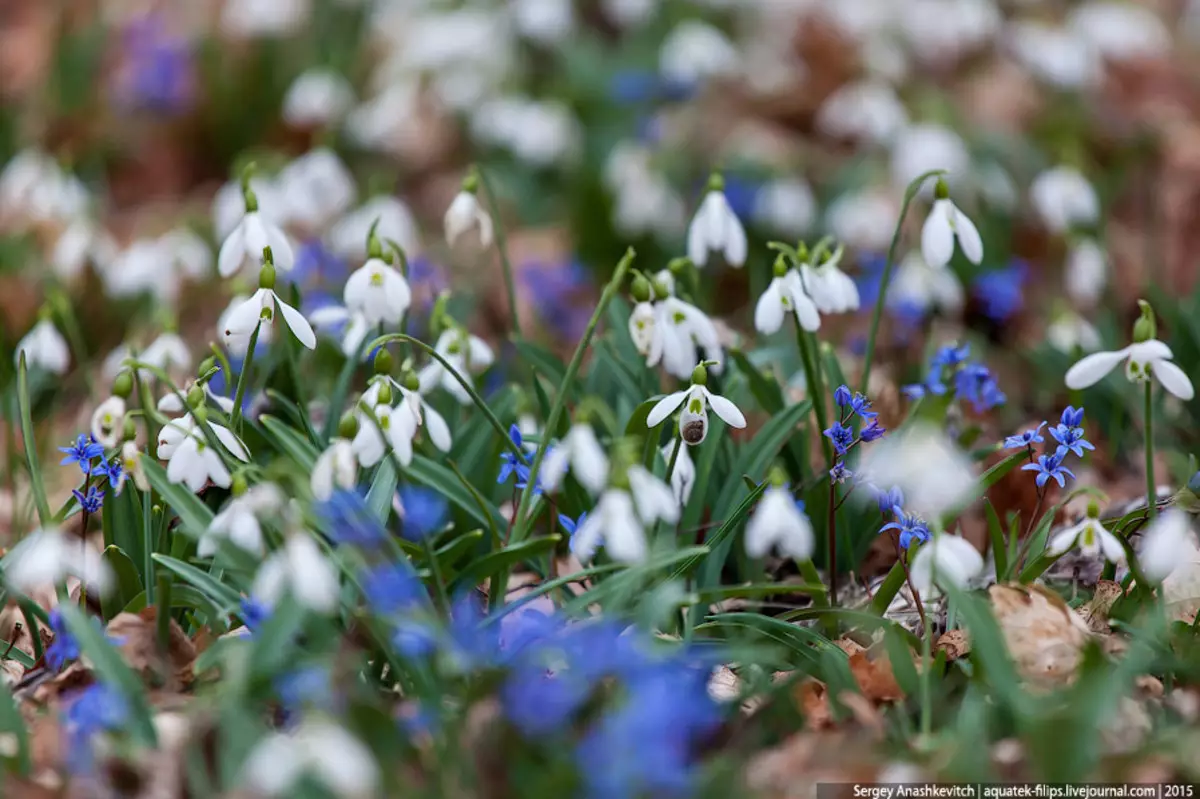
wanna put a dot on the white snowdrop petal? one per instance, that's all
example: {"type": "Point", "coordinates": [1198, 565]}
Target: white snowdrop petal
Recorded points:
{"type": "Point", "coordinates": [937, 237]}
{"type": "Point", "coordinates": [1091, 369]}
{"type": "Point", "coordinates": [968, 237]}
{"type": "Point", "coordinates": [725, 409]}
{"type": "Point", "coordinates": [769, 312]}
{"type": "Point", "coordinates": [435, 425]}
{"type": "Point", "coordinates": [298, 325]}
{"type": "Point", "coordinates": [665, 407]}
{"type": "Point", "coordinates": [1174, 379]}
{"type": "Point", "coordinates": [232, 252]}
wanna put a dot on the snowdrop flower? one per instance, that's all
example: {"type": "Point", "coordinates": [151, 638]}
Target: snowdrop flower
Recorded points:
{"type": "Point", "coordinates": [108, 422]}
{"type": "Point", "coordinates": [255, 18]}
{"type": "Point", "coordinates": [317, 188]}
{"type": "Point", "coordinates": [545, 21]}
{"type": "Point", "coordinates": [81, 240]}
{"type": "Point", "coordinates": [318, 97]}
{"type": "Point", "coordinates": [139, 269]}
{"type": "Point", "coordinates": [716, 227]}
{"type": "Point", "coordinates": [1166, 545]}
{"type": "Point", "coordinates": [785, 293]}
{"type": "Point", "coordinates": [467, 355]}
{"type": "Point", "coordinates": [779, 523]}
{"type": "Point", "coordinates": [1090, 536]}
{"type": "Point", "coordinates": [259, 312]}
{"type": "Point", "coordinates": [944, 224]}
{"type": "Point", "coordinates": [253, 234]}
{"type": "Point", "coordinates": [48, 557]}
{"type": "Point", "coordinates": [1143, 359]}
{"type": "Point", "coordinates": [652, 498]}
{"type": "Point", "coordinates": [582, 454]}
{"type": "Point", "coordinates": [931, 472]}
{"type": "Point", "coordinates": [176, 431]}
{"type": "Point", "coordinates": [919, 285]}
{"type": "Point", "coordinates": [1064, 199]}
{"type": "Point", "coordinates": [1087, 272]}
{"type": "Point", "coordinates": [44, 348]}
{"type": "Point", "coordinates": [391, 220]}
{"type": "Point", "coordinates": [695, 51]}
{"type": "Point", "coordinates": [786, 206]}
{"type": "Point", "coordinates": [187, 252]}
{"type": "Point", "coordinates": [831, 289]}
{"type": "Point", "coordinates": [947, 560]}
{"type": "Point", "coordinates": [867, 110]}
{"type": "Point", "coordinates": [424, 414]}
{"type": "Point", "coordinates": [642, 322]}
{"type": "Point", "coordinates": [540, 133]}
{"type": "Point", "coordinates": [168, 352]}
{"type": "Point", "coordinates": [131, 467]}
{"type": "Point", "coordinates": [679, 330]}
{"type": "Point", "coordinates": [301, 570]}
{"type": "Point", "coordinates": [693, 422]}
{"type": "Point", "coordinates": [171, 402]}
{"type": "Point", "coordinates": [618, 518]}
{"type": "Point", "coordinates": [336, 467]}
{"type": "Point", "coordinates": [377, 291]}
{"type": "Point", "coordinates": [1055, 55]}
{"type": "Point", "coordinates": [630, 13]}
{"type": "Point", "coordinates": [238, 341]}
{"type": "Point", "coordinates": [922, 148]}
{"type": "Point", "coordinates": [193, 462]}
{"type": "Point", "coordinates": [684, 476]}
{"type": "Point", "coordinates": [318, 748]}
{"type": "Point", "coordinates": [465, 213]}
{"type": "Point", "coordinates": [238, 522]}
{"type": "Point", "coordinates": [863, 219]}
{"type": "Point", "coordinates": [395, 429]}
{"type": "Point", "coordinates": [1120, 31]}
{"type": "Point", "coordinates": [352, 325]}
{"type": "Point", "coordinates": [229, 204]}
{"type": "Point", "coordinates": [1070, 330]}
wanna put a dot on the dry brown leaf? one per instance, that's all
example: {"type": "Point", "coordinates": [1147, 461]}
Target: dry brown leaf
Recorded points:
{"type": "Point", "coordinates": [1095, 612]}
{"type": "Point", "coordinates": [794, 768]}
{"type": "Point", "coordinates": [1043, 635]}
{"type": "Point", "coordinates": [139, 646]}
{"type": "Point", "coordinates": [864, 712]}
{"type": "Point", "coordinates": [875, 678]}
{"type": "Point", "coordinates": [955, 644]}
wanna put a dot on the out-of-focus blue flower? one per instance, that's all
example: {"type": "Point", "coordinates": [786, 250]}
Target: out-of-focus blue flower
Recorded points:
{"type": "Point", "coordinates": [392, 588]}
{"type": "Point", "coordinates": [890, 501]}
{"type": "Point", "coordinates": [424, 511]}
{"type": "Point", "coordinates": [304, 689]}
{"type": "Point", "coordinates": [254, 613]}
{"type": "Point", "coordinates": [418, 718]}
{"type": "Point", "coordinates": [220, 385]}
{"type": "Point", "coordinates": [511, 463]}
{"type": "Point", "coordinates": [841, 436]}
{"type": "Point", "coordinates": [64, 648]}
{"type": "Point", "coordinates": [91, 502]}
{"type": "Point", "coordinates": [315, 263]}
{"type": "Point", "coordinates": [1026, 439]}
{"type": "Point", "coordinates": [1000, 291]}
{"type": "Point", "coordinates": [741, 195]}
{"type": "Point", "coordinates": [950, 356]}
{"type": "Point", "coordinates": [910, 526]}
{"type": "Point", "coordinates": [472, 644]}
{"type": "Point", "coordinates": [642, 87]}
{"type": "Point", "coordinates": [415, 639]}
{"type": "Point", "coordinates": [872, 432]}
{"type": "Point", "coordinates": [975, 383]}
{"type": "Point", "coordinates": [350, 521]}
{"type": "Point", "coordinates": [158, 72]}
{"type": "Point", "coordinates": [571, 526]}
{"type": "Point", "coordinates": [560, 294]}
{"type": "Point", "coordinates": [972, 382]}
{"type": "Point", "coordinates": [113, 472]}
{"type": "Point", "coordinates": [96, 709]}
{"type": "Point", "coordinates": [83, 452]}
{"type": "Point", "coordinates": [539, 703]}
{"type": "Point", "coordinates": [1049, 467]}
{"type": "Point", "coordinates": [839, 473]}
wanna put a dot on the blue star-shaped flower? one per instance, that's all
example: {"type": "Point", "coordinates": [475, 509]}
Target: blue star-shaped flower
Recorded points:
{"type": "Point", "coordinates": [511, 463]}
{"type": "Point", "coordinates": [891, 501]}
{"type": "Point", "coordinates": [951, 356]}
{"type": "Point", "coordinates": [91, 501]}
{"type": "Point", "coordinates": [910, 526]}
{"type": "Point", "coordinates": [873, 431]}
{"type": "Point", "coordinates": [1049, 467]}
{"type": "Point", "coordinates": [839, 473]}
{"type": "Point", "coordinates": [571, 525]}
{"type": "Point", "coordinates": [83, 451]}
{"type": "Point", "coordinates": [1070, 439]}
{"type": "Point", "coordinates": [1026, 439]}
{"type": "Point", "coordinates": [841, 436]}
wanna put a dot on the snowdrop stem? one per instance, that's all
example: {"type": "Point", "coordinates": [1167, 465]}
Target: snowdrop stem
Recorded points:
{"type": "Point", "coordinates": [909, 194]}
{"type": "Point", "coordinates": [148, 545]}
{"type": "Point", "coordinates": [674, 459]}
{"type": "Point", "coordinates": [926, 676]}
{"type": "Point", "coordinates": [1151, 487]}
{"type": "Point", "coordinates": [243, 380]}
{"type": "Point", "coordinates": [831, 543]}
{"type": "Point", "coordinates": [812, 379]}
{"type": "Point", "coordinates": [31, 457]}
{"type": "Point", "coordinates": [439, 583]}
{"type": "Point", "coordinates": [501, 249]}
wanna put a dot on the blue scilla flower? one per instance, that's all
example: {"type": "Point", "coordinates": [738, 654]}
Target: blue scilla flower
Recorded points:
{"type": "Point", "coordinates": [91, 502]}
{"type": "Point", "coordinates": [890, 501]}
{"type": "Point", "coordinates": [392, 588]}
{"type": "Point", "coordinates": [930, 388]}
{"type": "Point", "coordinates": [842, 396]}
{"type": "Point", "coordinates": [254, 613]}
{"type": "Point", "coordinates": [560, 294]}
{"type": "Point", "coordinates": [424, 511]}
{"type": "Point", "coordinates": [415, 639]}
{"type": "Point", "coordinates": [1049, 467]}
{"type": "Point", "coordinates": [350, 521]}
{"type": "Point", "coordinates": [96, 709]}
{"type": "Point", "coordinates": [1072, 416]}
{"type": "Point", "coordinates": [315, 263]}
{"type": "Point", "coordinates": [840, 473]}
{"type": "Point", "coordinates": [975, 383]}
{"type": "Point", "coordinates": [571, 526]}
{"type": "Point", "coordinates": [114, 472]}
{"type": "Point", "coordinates": [64, 648]}
{"type": "Point", "coordinates": [538, 703]}
{"type": "Point", "coordinates": [83, 452]}
{"type": "Point", "coordinates": [910, 526]}
{"type": "Point", "coordinates": [872, 432]}
{"type": "Point", "coordinates": [1000, 291]}
{"type": "Point", "coordinates": [951, 356]}
{"type": "Point", "coordinates": [841, 436]}
{"type": "Point", "coordinates": [513, 463]}
{"type": "Point", "coordinates": [1069, 433]}
{"type": "Point", "coordinates": [304, 688]}
{"type": "Point", "coordinates": [159, 71]}
{"type": "Point", "coordinates": [855, 401]}
{"type": "Point", "coordinates": [1026, 439]}
{"type": "Point", "coordinates": [472, 644]}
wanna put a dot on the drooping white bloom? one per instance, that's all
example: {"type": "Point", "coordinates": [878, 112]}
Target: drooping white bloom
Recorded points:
{"type": "Point", "coordinates": [316, 98]}
{"type": "Point", "coordinates": [426, 416]}
{"type": "Point", "coordinates": [335, 468]}
{"type": "Point", "coordinates": [467, 355]}
{"type": "Point", "coordinates": [863, 219]}
{"type": "Point", "coordinates": [1070, 330]}
{"type": "Point", "coordinates": [831, 289]}
{"type": "Point", "coordinates": [715, 227]}
{"type": "Point", "coordinates": [695, 51]}
{"type": "Point", "coordinates": [187, 253]}
{"type": "Point", "coordinates": [351, 325]}
{"type": "Point", "coordinates": [944, 224]}
{"type": "Point", "coordinates": [785, 293]}
{"type": "Point", "coordinates": [615, 524]}
{"type": "Point", "coordinates": [47, 557]}
{"type": "Point", "coordinates": [464, 214]}
{"type": "Point", "coordinates": [131, 466]}
{"type": "Point", "coordinates": [641, 326]}
{"type": "Point", "coordinates": [922, 148]}
{"type": "Point", "coordinates": [1142, 360]}
{"type": "Point", "coordinates": [1064, 199]}
{"type": "Point", "coordinates": [581, 452]}
{"type": "Point", "coordinates": [868, 110]}
{"type": "Point", "coordinates": [379, 292]}
{"type": "Point", "coordinates": [239, 521]}
{"type": "Point", "coordinates": [946, 561]}
{"type": "Point", "coordinates": [395, 430]}
{"type": "Point", "coordinates": [318, 748]}
{"type": "Point", "coordinates": [246, 242]}
{"type": "Point", "coordinates": [229, 204]}
{"type": "Point", "coordinates": [1086, 273]}
{"type": "Point", "coordinates": [786, 206]}
{"type": "Point", "coordinates": [172, 402]}
{"type": "Point", "coordinates": [265, 18]}
{"type": "Point", "coordinates": [1120, 31]}
{"type": "Point", "coordinates": [259, 311]}
{"type": "Point", "coordinates": [545, 21]}
{"type": "Point", "coordinates": [176, 431]}
{"type": "Point", "coordinates": [138, 269]}
{"type": "Point", "coordinates": [944, 31]}
{"type": "Point", "coordinates": [684, 476]}
{"type": "Point", "coordinates": [1091, 538]}
{"type": "Point", "coordinates": [778, 523]}
{"type": "Point", "coordinates": [317, 188]}
{"type": "Point", "coordinates": [1167, 545]}
{"type": "Point", "coordinates": [933, 474]}
{"type": "Point", "coordinates": [168, 352]}
{"type": "Point", "coordinates": [693, 422]}
{"type": "Point", "coordinates": [919, 286]}
{"type": "Point", "coordinates": [539, 132]}
{"type": "Point", "coordinates": [238, 341]}
{"type": "Point", "coordinates": [679, 330]}
{"type": "Point", "coordinates": [80, 241]}
{"type": "Point", "coordinates": [653, 499]}
{"type": "Point", "coordinates": [348, 238]}
{"type": "Point", "coordinates": [108, 422]}
{"type": "Point", "coordinates": [193, 462]}
{"type": "Point", "coordinates": [301, 570]}
{"type": "Point", "coordinates": [44, 348]}
{"type": "Point", "coordinates": [1055, 55]}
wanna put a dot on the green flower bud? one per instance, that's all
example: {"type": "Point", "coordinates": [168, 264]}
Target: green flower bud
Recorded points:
{"type": "Point", "coordinates": [130, 431]}
{"type": "Point", "coordinates": [941, 191]}
{"type": "Point", "coordinates": [374, 245]}
{"type": "Point", "coordinates": [123, 385]}
{"type": "Point", "coordinates": [661, 288]}
{"type": "Point", "coordinates": [470, 183]}
{"type": "Point", "coordinates": [348, 426]}
{"type": "Point", "coordinates": [802, 252]}
{"type": "Point", "coordinates": [716, 182]}
{"type": "Point", "coordinates": [641, 289]}
{"type": "Point", "coordinates": [200, 414]}
{"type": "Point", "coordinates": [207, 365]}
{"type": "Point", "coordinates": [385, 393]}
{"type": "Point", "coordinates": [240, 486]}
{"type": "Point", "coordinates": [777, 477]}
{"type": "Point", "coordinates": [781, 266]}
{"type": "Point", "coordinates": [1146, 327]}
{"type": "Point", "coordinates": [677, 266]}
{"type": "Point", "coordinates": [383, 362]}
{"type": "Point", "coordinates": [195, 397]}
{"type": "Point", "coordinates": [1093, 510]}
{"type": "Point", "coordinates": [699, 375]}
{"type": "Point", "coordinates": [411, 381]}
{"type": "Point", "coordinates": [266, 275]}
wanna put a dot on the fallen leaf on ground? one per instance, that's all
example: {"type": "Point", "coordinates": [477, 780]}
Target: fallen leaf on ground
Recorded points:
{"type": "Point", "coordinates": [1095, 612]}
{"type": "Point", "coordinates": [138, 635]}
{"type": "Point", "coordinates": [955, 644]}
{"type": "Point", "coordinates": [1044, 636]}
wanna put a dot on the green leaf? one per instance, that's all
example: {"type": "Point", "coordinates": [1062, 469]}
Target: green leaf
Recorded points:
{"type": "Point", "coordinates": [766, 391]}
{"type": "Point", "coordinates": [221, 595]}
{"type": "Point", "coordinates": [11, 723]}
{"type": "Point", "coordinates": [458, 547]}
{"type": "Point", "coordinates": [805, 643]}
{"type": "Point", "coordinates": [193, 514]}
{"type": "Point", "coordinates": [718, 593]}
{"type": "Point", "coordinates": [289, 441]}
{"type": "Point", "coordinates": [30, 443]}
{"type": "Point", "coordinates": [996, 536]}
{"type": "Point", "coordinates": [504, 559]}
{"type": "Point", "coordinates": [108, 664]}
{"type": "Point", "coordinates": [544, 362]}
{"type": "Point", "coordinates": [383, 490]}
{"type": "Point", "coordinates": [988, 651]}
{"type": "Point", "coordinates": [636, 426]}
{"type": "Point", "coordinates": [888, 589]}
{"type": "Point", "coordinates": [128, 581]}
{"type": "Point", "coordinates": [900, 656]}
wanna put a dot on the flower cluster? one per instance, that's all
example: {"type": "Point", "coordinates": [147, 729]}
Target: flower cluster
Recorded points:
{"type": "Point", "coordinates": [952, 373]}
{"type": "Point", "coordinates": [842, 434]}
{"type": "Point", "coordinates": [1050, 465]}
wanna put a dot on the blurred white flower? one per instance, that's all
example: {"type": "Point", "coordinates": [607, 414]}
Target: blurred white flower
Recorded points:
{"type": "Point", "coordinates": [693, 422]}
{"type": "Point", "coordinates": [379, 292]}
{"type": "Point", "coordinates": [246, 242]}
{"type": "Point", "coordinates": [1086, 273]}
{"type": "Point", "coordinates": [579, 451]}
{"type": "Point", "coordinates": [863, 219]}
{"type": "Point", "coordinates": [80, 241]}
{"type": "Point", "coordinates": [785, 294]}
{"type": "Point", "coordinates": [715, 227]}
{"type": "Point", "coordinates": [317, 189]}
{"type": "Point", "coordinates": [545, 21]}
{"type": "Point", "coordinates": [1142, 360]}
{"type": "Point", "coordinates": [1092, 539]}
{"type": "Point", "coordinates": [193, 462]}
{"type": "Point", "coordinates": [44, 348]}
{"type": "Point", "coordinates": [168, 352]}
{"type": "Point", "coordinates": [629, 13]}
{"type": "Point", "coordinates": [139, 268]}
{"type": "Point", "coordinates": [1064, 199]}
{"type": "Point", "coordinates": [831, 289]}
{"type": "Point", "coordinates": [108, 422]}
{"type": "Point", "coordinates": [176, 431]}
{"type": "Point", "coordinates": [642, 322]}
{"type": "Point", "coordinates": [946, 561]}
{"type": "Point", "coordinates": [187, 253]}
{"type": "Point", "coordinates": [239, 520]}
{"type": "Point", "coordinates": [944, 224]}
{"type": "Point", "coordinates": [318, 97]}
{"type": "Point", "coordinates": [131, 468]}
{"type": "Point", "coordinates": [238, 342]}
{"type": "Point", "coordinates": [387, 121]}
{"type": "Point", "coordinates": [1120, 31]}
{"type": "Point", "coordinates": [1069, 330]}
{"type": "Point", "coordinates": [922, 287]}
{"type": "Point", "coordinates": [653, 499]}
{"type": "Point", "coordinates": [254, 18]}
{"type": "Point", "coordinates": [786, 206]}
{"type": "Point", "coordinates": [47, 557]}
{"type": "Point", "coordinates": [684, 476]}
{"type": "Point", "coordinates": [467, 355]}
{"type": "Point", "coordinates": [614, 524]}
{"type": "Point", "coordinates": [300, 570]}
{"type": "Point", "coordinates": [336, 467]}
{"type": "Point", "coordinates": [259, 312]}
{"type": "Point", "coordinates": [395, 430]}
{"type": "Point", "coordinates": [868, 110]}
{"type": "Point", "coordinates": [229, 205]}
{"type": "Point", "coordinates": [695, 51]}
{"type": "Point", "coordinates": [1167, 545]}
{"type": "Point", "coordinates": [680, 329]}
{"type": "Point", "coordinates": [351, 325]}
{"type": "Point", "coordinates": [349, 236]}
{"type": "Point", "coordinates": [318, 748]}
{"type": "Point", "coordinates": [933, 474]}
{"type": "Point", "coordinates": [943, 31]}
{"type": "Point", "coordinates": [862, 18]}
{"type": "Point", "coordinates": [1055, 55]}
{"type": "Point", "coordinates": [921, 148]}
{"type": "Point", "coordinates": [777, 523]}
{"type": "Point", "coordinates": [464, 214]}
{"type": "Point", "coordinates": [540, 133]}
